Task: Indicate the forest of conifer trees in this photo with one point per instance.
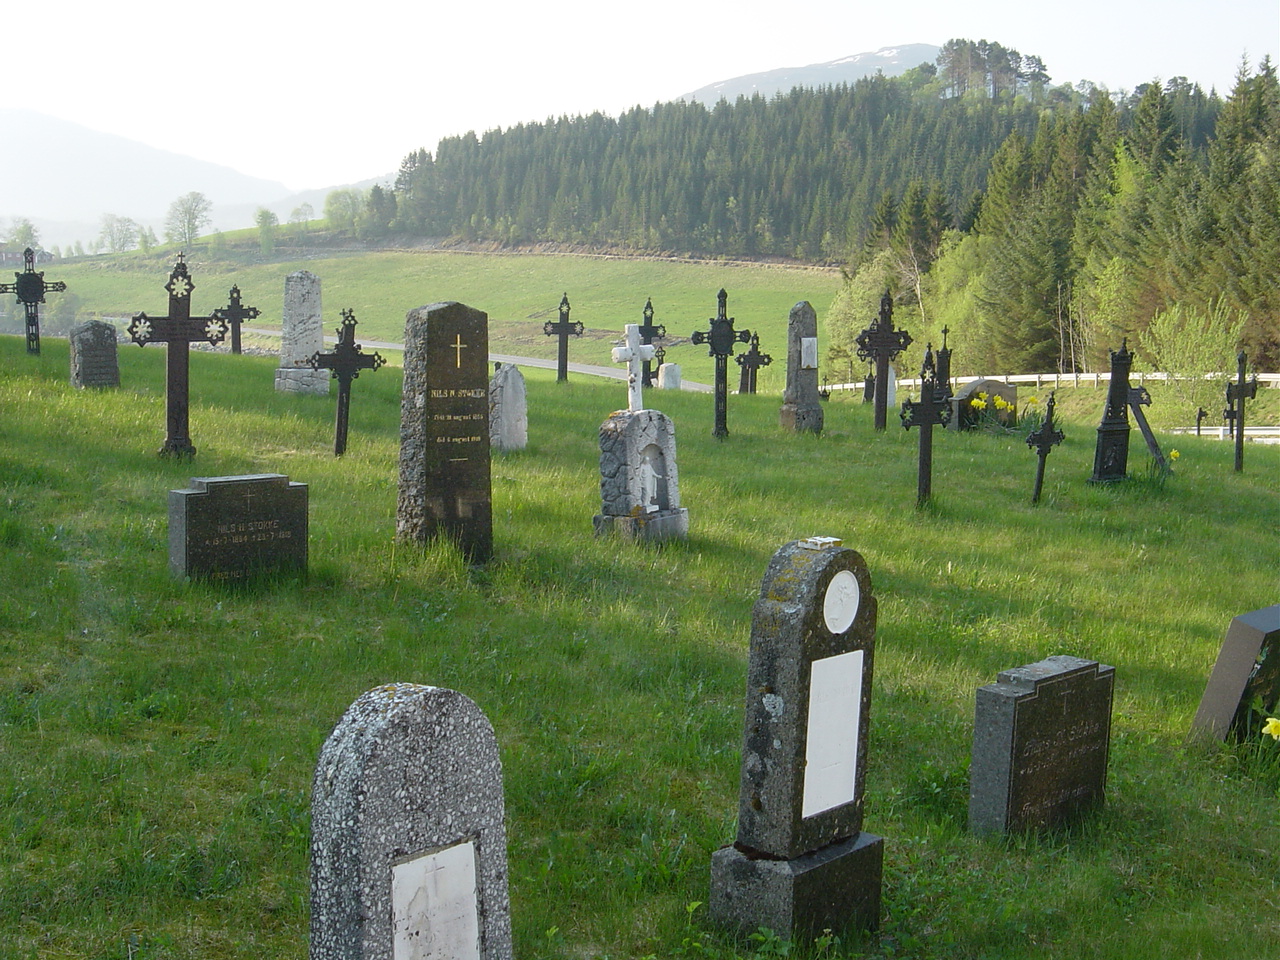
(1040, 224)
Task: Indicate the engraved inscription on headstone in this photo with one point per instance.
(1247, 670)
(1041, 737)
(444, 429)
(433, 905)
(95, 360)
(230, 528)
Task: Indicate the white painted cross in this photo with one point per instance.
(634, 354)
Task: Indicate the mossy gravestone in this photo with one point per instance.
(801, 863)
(94, 355)
(1245, 683)
(408, 848)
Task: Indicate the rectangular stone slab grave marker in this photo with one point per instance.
(301, 336)
(1041, 736)
(1247, 670)
(408, 846)
(95, 355)
(445, 486)
(801, 407)
(233, 528)
(508, 409)
(801, 862)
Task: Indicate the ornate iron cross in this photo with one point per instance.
(30, 288)
(344, 363)
(562, 328)
(720, 340)
(880, 343)
(634, 355)
(649, 332)
(178, 329)
(235, 312)
(1042, 441)
(1237, 394)
(751, 361)
(944, 365)
(933, 408)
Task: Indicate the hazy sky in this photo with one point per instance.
(325, 94)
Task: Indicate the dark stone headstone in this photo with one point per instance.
(1247, 670)
(231, 528)
(445, 485)
(408, 848)
(95, 358)
(801, 406)
(1111, 454)
(1041, 736)
(801, 863)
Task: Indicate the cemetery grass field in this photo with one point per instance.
(157, 738)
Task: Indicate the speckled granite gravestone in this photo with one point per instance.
(508, 409)
(301, 336)
(445, 486)
(232, 528)
(1247, 669)
(94, 355)
(408, 848)
(801, 862)
(801, 408)
(1041, 735)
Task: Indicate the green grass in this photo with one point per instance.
(157, 739)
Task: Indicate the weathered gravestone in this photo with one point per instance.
(233, 528)
(95, 360)
(1041, 736)
(445, 486)
(508, 408)
(801, 863)
(801, 407)
(1246, 674)
(669, 376)
(968, 408)
(301, 336)
(408, 848)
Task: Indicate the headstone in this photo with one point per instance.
(508, 409)
(30, 287)
(801, 408)
(968, 408)
(1247, 672)
(801, 862)
(944, 365)
(635, 354)
(1041, 735)
(669, 376)
(301, 336)
(720, 339)
(234, 528)
(1140, 397)
(639, 480)
(1111, 455)
(445, 486)
(881, 343)
(891, 386)
(408, 847)
(95, 360)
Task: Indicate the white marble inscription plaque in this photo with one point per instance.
(434, 912)
(831, 750)
(808, 353)
(840, 605)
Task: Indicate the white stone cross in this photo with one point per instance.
(634, 354)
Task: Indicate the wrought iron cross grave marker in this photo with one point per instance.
(345, 363)
(1042, 441)
(720, 340)
(562, 328)
(30, 288)
(1237, 394)
(177, 330)
(234, 313)
(649, 332)
(933, 408)
(751, 362)
(880, 343)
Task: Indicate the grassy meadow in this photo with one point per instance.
(157, 739)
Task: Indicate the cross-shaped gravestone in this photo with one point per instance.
(636, 355)
(880, 343)
(345, 362)
(1042, 441)
(234, 313)
(1237, 394)
(720, 340)
(562, 328)
(178, 329)
(1201, 413)
(649, 331)
(1111, 455)
(1139, 397)
(30, 288)
(934, 407)
(751, 362)
(944, 365)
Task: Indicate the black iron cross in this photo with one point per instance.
(345, 363)
(30, 287)
(563, 328)
(649, 332)
(235, 312)
(1139, 397)
(751, 362)
(178, 329)
(944, 365)
(1042, 441)
(720, 340)
(933, 408)
(1237, 394)
(880, 343)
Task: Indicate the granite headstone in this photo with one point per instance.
(801, 408)
(95, 358)
(301, 336)
(669, 376)
(1246, 672)
(508, 408)
(965, 414)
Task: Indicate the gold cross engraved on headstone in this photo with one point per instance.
(457, 348)
(248, 496)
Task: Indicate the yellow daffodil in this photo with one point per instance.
(978, 404)
(1174, 454)
(1032, 401)
(1272, 727)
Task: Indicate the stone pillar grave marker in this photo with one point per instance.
(95, 360)
(301, 336)
(508, 408)
(801, 407)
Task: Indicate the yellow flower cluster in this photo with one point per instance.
(1174, 454)
(1272, 727)
(1000, 403)
(978, 403)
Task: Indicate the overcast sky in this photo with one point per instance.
(315, 95)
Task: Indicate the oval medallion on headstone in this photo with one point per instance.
(840, 606)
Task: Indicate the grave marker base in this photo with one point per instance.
(665, 525)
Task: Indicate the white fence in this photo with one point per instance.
(1053, 380)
